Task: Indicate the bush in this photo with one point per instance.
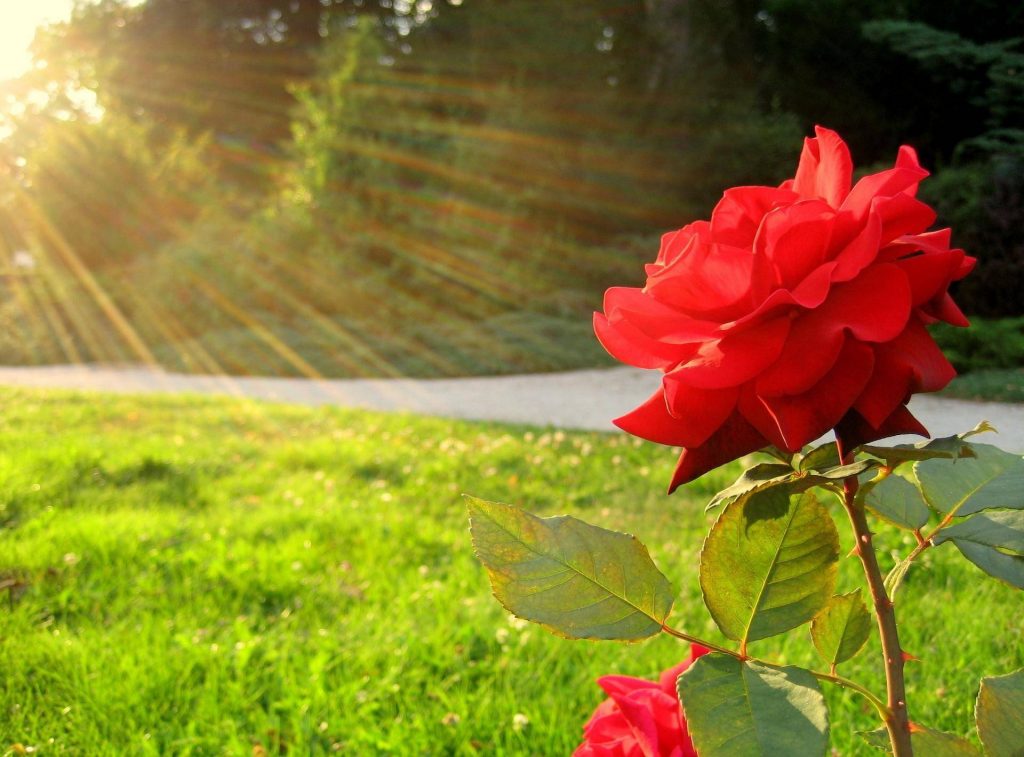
(986, 344)
(984, 204)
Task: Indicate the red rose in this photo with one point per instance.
(641, 719)
(793, 311)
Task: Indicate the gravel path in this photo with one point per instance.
(578, 399)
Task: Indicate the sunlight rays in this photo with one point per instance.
(430, 233)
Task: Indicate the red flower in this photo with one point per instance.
(793, 311)
(641, 719)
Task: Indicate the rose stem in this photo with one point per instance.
(897, 722)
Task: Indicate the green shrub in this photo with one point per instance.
(985, 344)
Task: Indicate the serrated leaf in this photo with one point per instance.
(759, 477)
(898, 501)
(578, 580)
(840, 630)
(745, 709)
(765, 476)
(769, 564)
(1000, 715)
(925, 742)
(991, 479)
(994, 541)
(825, 456)
(839, 472)
(949, 447)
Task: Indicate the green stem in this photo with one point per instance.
(897, 722)
(846, 683)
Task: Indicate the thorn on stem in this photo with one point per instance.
(907, 657)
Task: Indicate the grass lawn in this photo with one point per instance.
(208, 576)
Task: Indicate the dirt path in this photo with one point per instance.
(578, 399)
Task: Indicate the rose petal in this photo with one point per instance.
(825, 168)
(734, 438)
(737, 357)
(944, 309)
(861, 250)
(621, 686)
(812, 348)
(628, 344)
(904, 178)
(853, 430)
(674, 243)
(655, 318)
(874, 307)
(653, 422)
(804, 418)
(699, 411)
(911, 363)
(794, 239)
(930, 274)
(902, 214)
(708, 286)
(735, 219)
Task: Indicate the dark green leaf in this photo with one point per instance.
(840, 630)
(581, 581)
(926, 743)
(1000, 715)
(1003, 529)
(898, 501)
(994, 541)
(825, 456)
(769, 564)
(991, 479)
(744, 709)
(948, 447)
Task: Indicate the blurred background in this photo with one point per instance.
(446, 187)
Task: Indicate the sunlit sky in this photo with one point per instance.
(18, 22)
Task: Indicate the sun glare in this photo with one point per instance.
(18, 23)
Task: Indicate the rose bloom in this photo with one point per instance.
(793, 311)
(641, 719)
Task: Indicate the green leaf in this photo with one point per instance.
(1000, 715)
(578, 580)
(766, 476)
(949, 447)
(991, 479)
(745, 709)
(1003, 529)
(898, 501)
(992, 541)
(769, 564)
(895, 577)
(825, 456)
(840, 630)
(839, 472)
(761, 476)
(926, 742)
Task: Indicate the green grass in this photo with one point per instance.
(202, 576)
